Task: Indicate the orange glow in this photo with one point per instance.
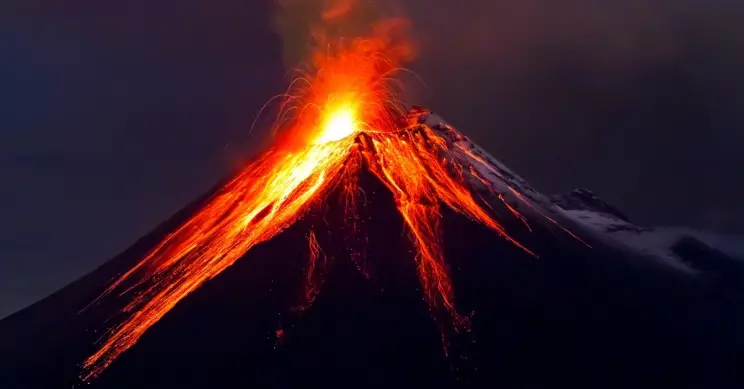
(313, 280)
(340, 125)
(339, 115)
(345, 90)
(411, 165)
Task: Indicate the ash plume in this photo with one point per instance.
(304, 25)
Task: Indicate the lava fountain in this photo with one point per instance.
(339, 114)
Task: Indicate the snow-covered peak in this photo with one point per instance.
(583, 208)
(500, 178)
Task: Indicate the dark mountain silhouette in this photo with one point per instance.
(599, 317)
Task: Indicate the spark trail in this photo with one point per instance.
(339, 115)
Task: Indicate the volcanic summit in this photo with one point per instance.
(450, 272)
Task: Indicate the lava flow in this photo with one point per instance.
(340, 116)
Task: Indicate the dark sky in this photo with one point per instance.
(116, 114)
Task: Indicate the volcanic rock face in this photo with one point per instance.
(586, 313)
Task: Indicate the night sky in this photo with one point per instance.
(116, 114)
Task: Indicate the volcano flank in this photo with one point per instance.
(560, 307)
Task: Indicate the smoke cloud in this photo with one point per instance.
(305, 25)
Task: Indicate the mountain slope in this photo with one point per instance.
(592, 214)
(598, 316)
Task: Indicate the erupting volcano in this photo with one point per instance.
(387, 205)
(339, 118)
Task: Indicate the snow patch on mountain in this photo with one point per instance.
(654, 243)
(659, 242)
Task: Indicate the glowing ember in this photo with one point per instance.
(339, 117)
(339, 125)
(312, 279)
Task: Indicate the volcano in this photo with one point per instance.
(548, 298)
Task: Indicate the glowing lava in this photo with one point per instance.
(340, 115)
(345, 91)
(339, 125)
